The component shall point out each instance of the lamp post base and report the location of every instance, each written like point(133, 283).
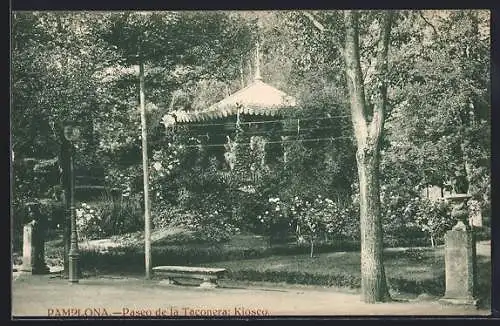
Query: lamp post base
point(73, 269)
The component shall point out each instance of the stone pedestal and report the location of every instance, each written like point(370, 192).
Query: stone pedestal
point(460, 257)
point(460, 262)
point(28, 248)
point(34, 247)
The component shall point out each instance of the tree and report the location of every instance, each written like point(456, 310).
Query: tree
point(314, 217)
point(54, 58)
point(368, 126)
point(77, 66)
point(452, 86)
point(438, 128)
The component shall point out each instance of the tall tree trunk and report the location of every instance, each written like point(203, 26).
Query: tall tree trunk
point(368, 135)
point(373, 279)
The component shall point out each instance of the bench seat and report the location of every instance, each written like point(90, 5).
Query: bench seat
point(207, 274)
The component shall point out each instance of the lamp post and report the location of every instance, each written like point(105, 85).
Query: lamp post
point(72, 133)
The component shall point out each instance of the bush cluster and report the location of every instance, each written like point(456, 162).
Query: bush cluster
point(110, 216)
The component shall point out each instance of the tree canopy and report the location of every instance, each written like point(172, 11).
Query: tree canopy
point(433, 85)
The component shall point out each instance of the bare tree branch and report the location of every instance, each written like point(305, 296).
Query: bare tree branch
point(316, 23)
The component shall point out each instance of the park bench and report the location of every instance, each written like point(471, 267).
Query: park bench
point(209, 276)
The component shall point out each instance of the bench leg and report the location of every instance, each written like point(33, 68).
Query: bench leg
point(208, 284)
point(168, 281)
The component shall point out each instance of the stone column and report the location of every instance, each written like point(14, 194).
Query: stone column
point(460, 256)
point(28, 252)
point(34, 243)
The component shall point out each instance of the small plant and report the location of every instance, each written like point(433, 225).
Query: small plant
point(313, 218)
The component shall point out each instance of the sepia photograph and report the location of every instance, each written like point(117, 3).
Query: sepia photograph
point(250, 164)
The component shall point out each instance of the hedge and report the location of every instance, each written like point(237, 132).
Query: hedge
point(338, 280)
point(132, 259)
point(434, 286)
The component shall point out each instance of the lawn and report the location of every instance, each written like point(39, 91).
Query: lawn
point(413, 271)
point(426, 264)
point(418, 266)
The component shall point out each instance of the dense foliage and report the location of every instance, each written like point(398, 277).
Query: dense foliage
point(81, 67)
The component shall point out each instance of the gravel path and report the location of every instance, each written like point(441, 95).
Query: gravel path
point(43, 296)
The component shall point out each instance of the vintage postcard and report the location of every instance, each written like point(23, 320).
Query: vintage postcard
point(250, 163)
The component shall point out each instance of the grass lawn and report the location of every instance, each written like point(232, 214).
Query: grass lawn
point(417, 266)
point(408, 271)
point(427, 265)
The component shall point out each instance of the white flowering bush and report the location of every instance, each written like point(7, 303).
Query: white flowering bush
point(398, 204)
point(323, 215)
point(212, 224)
point(433, 217)
point(311, 218)
point(163, 165)
point(273, 213)
point(194, 196)
point(89, 221)
point(275, 217)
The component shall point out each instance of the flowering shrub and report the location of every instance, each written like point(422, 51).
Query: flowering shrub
point(274, 213)
point(88, 222)
point(325, 215)
point(433, 217)
point(315, 217)
point(162, 216)
point(275, 219)
point(311, 218)
point(398, 210)
point(213, 226)
point(164, 164)
point(194, 196)
point(210, 227)
point(109, 217)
